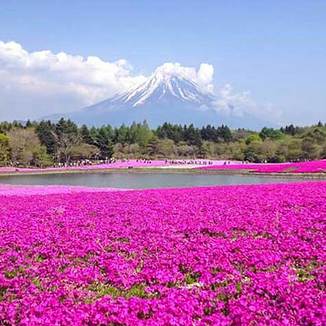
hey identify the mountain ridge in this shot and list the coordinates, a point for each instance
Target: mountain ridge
(166, 96)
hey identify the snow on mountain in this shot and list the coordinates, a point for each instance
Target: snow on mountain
(162, 85)
(166, 96)
(161, 88)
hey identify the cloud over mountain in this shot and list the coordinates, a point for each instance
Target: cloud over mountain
(40, 83)
(61, 77)
(203, 76)
(232, 102)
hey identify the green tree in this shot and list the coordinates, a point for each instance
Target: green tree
(83, 150)
(140, 134)
(86, 135)
(66, 137)
(42, 158)
(153, 147)
(25, 146)
(166, 148)
(46, 133)
(256, 152)
(310, 150)
(4, 149)
(253, 138)
(103, 141)
(294, 151)
(270, 133)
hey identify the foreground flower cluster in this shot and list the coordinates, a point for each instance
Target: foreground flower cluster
(15, 190)
(200, 256)
(296, 167)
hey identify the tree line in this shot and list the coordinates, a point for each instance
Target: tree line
(46, 143)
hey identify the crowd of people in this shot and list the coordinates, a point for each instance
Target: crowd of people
(188, 162)
(87, 162)
(144, 161)
(109, 161)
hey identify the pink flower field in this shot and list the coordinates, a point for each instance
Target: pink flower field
(229, 255)
(6, 190)
(298, 167)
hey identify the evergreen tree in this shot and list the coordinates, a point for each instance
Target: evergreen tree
(46, 133)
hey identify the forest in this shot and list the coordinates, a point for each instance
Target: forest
(47, 143)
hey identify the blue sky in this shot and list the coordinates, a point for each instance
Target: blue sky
(274, 49)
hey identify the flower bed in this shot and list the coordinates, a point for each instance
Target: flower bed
(297, 167)
(6, 190)
(201, 256)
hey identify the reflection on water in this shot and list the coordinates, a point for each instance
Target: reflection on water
(139, 180)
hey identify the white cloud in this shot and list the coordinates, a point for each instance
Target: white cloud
(36, 84)
(203, 76)
(230, 102)
(53, 82)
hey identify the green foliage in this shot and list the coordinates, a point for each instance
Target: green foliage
(253, 138)
(86, 135)
(25, 146)
(166, 148)
(270, 133)
(42, 158)
(84, 150)
(4, 149)
(46, 133)
(192, 278)
(153, 147)
(3, 291)
(44, 143)
(305, 273)
(310, 149)
(140, 134)
(102, 289)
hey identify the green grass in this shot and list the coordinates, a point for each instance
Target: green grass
(102, 289)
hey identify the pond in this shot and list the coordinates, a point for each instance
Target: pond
(139, 180)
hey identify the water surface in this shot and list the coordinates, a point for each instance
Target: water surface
(139, 180)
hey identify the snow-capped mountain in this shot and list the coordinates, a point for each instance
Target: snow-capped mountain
(166, 96)
(164, 87)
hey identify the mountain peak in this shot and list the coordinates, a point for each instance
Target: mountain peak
(167, 71)
(170, 94)
(167, 84)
